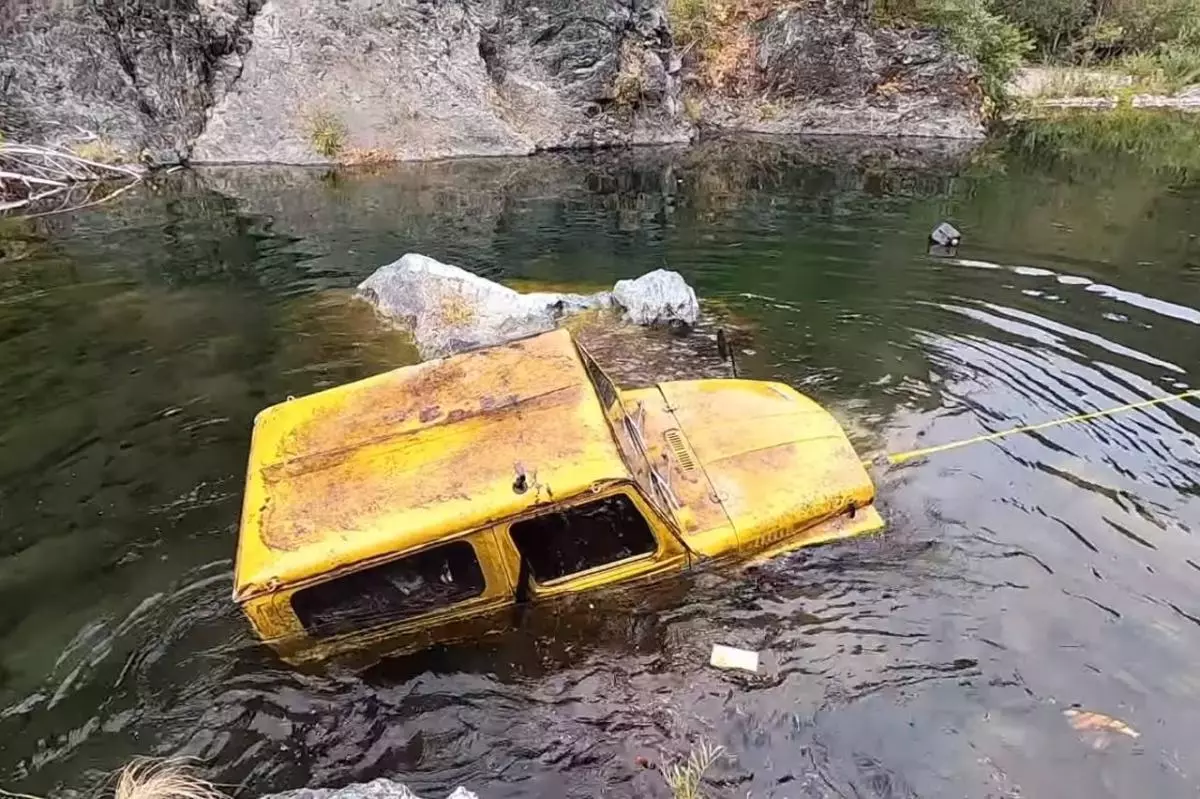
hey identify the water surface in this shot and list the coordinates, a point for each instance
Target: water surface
(1016, 578)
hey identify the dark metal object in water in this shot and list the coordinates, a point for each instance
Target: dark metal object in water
(945, 235)
(725, 351)
(944, 240)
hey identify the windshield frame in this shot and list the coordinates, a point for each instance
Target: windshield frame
(629, 433)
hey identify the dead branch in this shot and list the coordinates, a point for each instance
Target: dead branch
(26, 170)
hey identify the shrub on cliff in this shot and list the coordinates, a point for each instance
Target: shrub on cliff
(974, 28)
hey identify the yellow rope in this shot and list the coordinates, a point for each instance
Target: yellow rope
(901, 457)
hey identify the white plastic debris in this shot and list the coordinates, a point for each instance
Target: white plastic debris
(730, 657)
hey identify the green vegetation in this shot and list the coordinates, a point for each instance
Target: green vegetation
(973, 27)
(630, 85)
(717, 31)
(99, 150)
(1096, 31)
(1156, 42)
(1168, 68)
(326, 133)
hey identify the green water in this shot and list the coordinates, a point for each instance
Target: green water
(138, 339)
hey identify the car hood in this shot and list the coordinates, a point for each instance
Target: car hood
(777, 461)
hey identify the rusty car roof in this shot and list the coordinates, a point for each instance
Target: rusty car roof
(402, 459)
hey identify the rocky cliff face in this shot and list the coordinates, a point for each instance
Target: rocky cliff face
(138, 75)
(821, 67)
(420, 79)
(314, 81)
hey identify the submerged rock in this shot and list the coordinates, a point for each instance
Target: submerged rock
(375, 789)
(448, 309)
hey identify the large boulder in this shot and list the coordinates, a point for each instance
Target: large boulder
(375, 789)
(448, 309)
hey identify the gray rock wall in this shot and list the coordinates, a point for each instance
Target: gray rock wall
(138, 74)
(314, 81)
(418, 79)
(823, 68)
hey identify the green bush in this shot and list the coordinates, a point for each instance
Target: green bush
(1053, 24)
(1145, 24)
(973, 28)
(1088, 31)
(1166, 69)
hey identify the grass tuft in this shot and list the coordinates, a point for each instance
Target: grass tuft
(99, 150)
(685, 778)
(372, 156)
(145, 778)
(326, 133)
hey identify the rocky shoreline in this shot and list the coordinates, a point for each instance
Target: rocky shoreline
(365, 81)
(1050, 89)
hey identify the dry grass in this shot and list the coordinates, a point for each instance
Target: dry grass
(717, 32)
(372, 156)
(146, 778)
(162, 779)
(1082, 83)
(685, 777)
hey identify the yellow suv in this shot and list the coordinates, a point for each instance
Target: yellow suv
(402, 504)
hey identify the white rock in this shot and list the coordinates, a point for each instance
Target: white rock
(657, 297)
(380, 788)
(450, 310)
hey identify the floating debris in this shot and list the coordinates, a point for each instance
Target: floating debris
(1097, 727)
(729, 657)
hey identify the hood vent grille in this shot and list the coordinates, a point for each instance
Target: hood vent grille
(682, 454)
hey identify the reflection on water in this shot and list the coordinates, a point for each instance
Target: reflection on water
(1017, 578)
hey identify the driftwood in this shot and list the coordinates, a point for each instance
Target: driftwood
(42, 180)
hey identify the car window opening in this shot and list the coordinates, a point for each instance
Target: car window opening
(573, 540)
(404, 588)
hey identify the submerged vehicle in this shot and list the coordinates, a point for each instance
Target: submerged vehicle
(406, 503)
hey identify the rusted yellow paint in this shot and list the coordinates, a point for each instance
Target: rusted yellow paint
(460, 448)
